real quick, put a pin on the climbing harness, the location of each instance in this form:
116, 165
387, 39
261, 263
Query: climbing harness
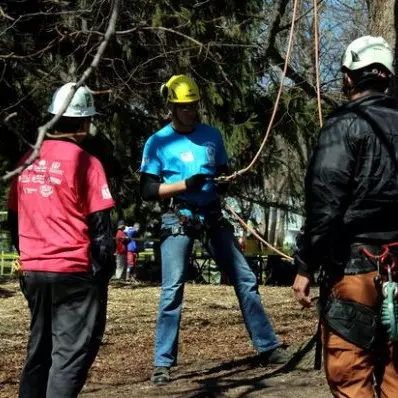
386, 264
185, 218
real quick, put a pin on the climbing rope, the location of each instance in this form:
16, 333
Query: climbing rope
317, 69
319, 105
268, 130
256, 234
278, 97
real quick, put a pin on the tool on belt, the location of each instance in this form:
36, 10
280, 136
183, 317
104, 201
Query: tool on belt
385, 262
193, 220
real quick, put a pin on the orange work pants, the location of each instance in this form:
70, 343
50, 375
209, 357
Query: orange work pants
351, 371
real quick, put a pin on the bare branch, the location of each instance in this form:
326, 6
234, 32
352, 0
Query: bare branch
285, 27
299, 80
10, 116
35, 54
36, 14
4, 15
176, 33
15, 131
42, 130
280, 9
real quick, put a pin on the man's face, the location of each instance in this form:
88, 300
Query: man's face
83, 131
187, 113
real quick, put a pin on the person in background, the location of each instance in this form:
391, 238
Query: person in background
121, 250
59, 218
132, 252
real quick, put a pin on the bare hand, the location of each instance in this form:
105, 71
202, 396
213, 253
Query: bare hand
301, 290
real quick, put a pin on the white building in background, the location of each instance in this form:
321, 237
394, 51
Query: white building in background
292, 223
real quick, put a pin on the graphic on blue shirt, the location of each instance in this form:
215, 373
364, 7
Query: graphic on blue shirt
176, 157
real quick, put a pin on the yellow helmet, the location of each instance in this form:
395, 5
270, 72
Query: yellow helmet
180, 89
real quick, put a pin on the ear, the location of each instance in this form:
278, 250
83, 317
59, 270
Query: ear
170, 108
347, 80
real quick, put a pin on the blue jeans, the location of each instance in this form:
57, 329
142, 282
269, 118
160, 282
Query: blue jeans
223, 247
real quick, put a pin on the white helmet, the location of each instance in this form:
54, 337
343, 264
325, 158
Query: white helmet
82, 104
368, 50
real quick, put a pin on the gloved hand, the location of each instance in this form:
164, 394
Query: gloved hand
196, 182
221, 186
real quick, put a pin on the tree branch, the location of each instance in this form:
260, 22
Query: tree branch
280, 9
299, 80
287, 26
42, 130
265, 203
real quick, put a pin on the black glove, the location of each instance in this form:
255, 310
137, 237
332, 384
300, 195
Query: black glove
196, 182
221, 186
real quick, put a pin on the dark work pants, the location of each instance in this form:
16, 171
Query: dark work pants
68, 314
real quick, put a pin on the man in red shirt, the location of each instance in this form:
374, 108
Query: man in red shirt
121, 250
59, 217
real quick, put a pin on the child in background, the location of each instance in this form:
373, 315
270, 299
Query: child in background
121, 250
132, 252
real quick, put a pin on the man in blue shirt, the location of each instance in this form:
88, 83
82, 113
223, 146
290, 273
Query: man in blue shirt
180, 162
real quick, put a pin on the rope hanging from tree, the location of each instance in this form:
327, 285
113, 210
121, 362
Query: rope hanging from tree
278, 97
317, 69
268, 130
256, 234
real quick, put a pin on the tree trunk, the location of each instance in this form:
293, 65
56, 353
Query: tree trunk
281, 232
381, 19
273, 217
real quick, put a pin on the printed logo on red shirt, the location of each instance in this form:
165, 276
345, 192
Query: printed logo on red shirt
106, 193
53, 197
46, 191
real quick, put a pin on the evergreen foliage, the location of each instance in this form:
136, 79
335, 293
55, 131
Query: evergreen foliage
43, 44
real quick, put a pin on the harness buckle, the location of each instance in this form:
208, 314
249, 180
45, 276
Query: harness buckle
176, 230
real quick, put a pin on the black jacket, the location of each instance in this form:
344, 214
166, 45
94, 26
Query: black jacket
351, 185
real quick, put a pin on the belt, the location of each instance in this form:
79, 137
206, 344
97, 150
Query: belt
359, 263
205, 211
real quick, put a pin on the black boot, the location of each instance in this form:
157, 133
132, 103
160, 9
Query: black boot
161, 375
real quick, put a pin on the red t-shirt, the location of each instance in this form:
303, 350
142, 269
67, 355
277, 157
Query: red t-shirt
53, 196
121, 246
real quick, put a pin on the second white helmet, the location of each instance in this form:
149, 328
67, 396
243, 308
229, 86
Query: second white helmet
366, 51
82, 104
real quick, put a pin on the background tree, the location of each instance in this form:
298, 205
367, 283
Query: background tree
381, 19
234, 49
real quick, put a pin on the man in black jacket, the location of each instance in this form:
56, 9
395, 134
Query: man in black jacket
59, 216
352, 226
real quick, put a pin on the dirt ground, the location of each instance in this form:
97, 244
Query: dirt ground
216, 358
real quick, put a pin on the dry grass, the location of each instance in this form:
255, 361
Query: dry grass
214, 354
